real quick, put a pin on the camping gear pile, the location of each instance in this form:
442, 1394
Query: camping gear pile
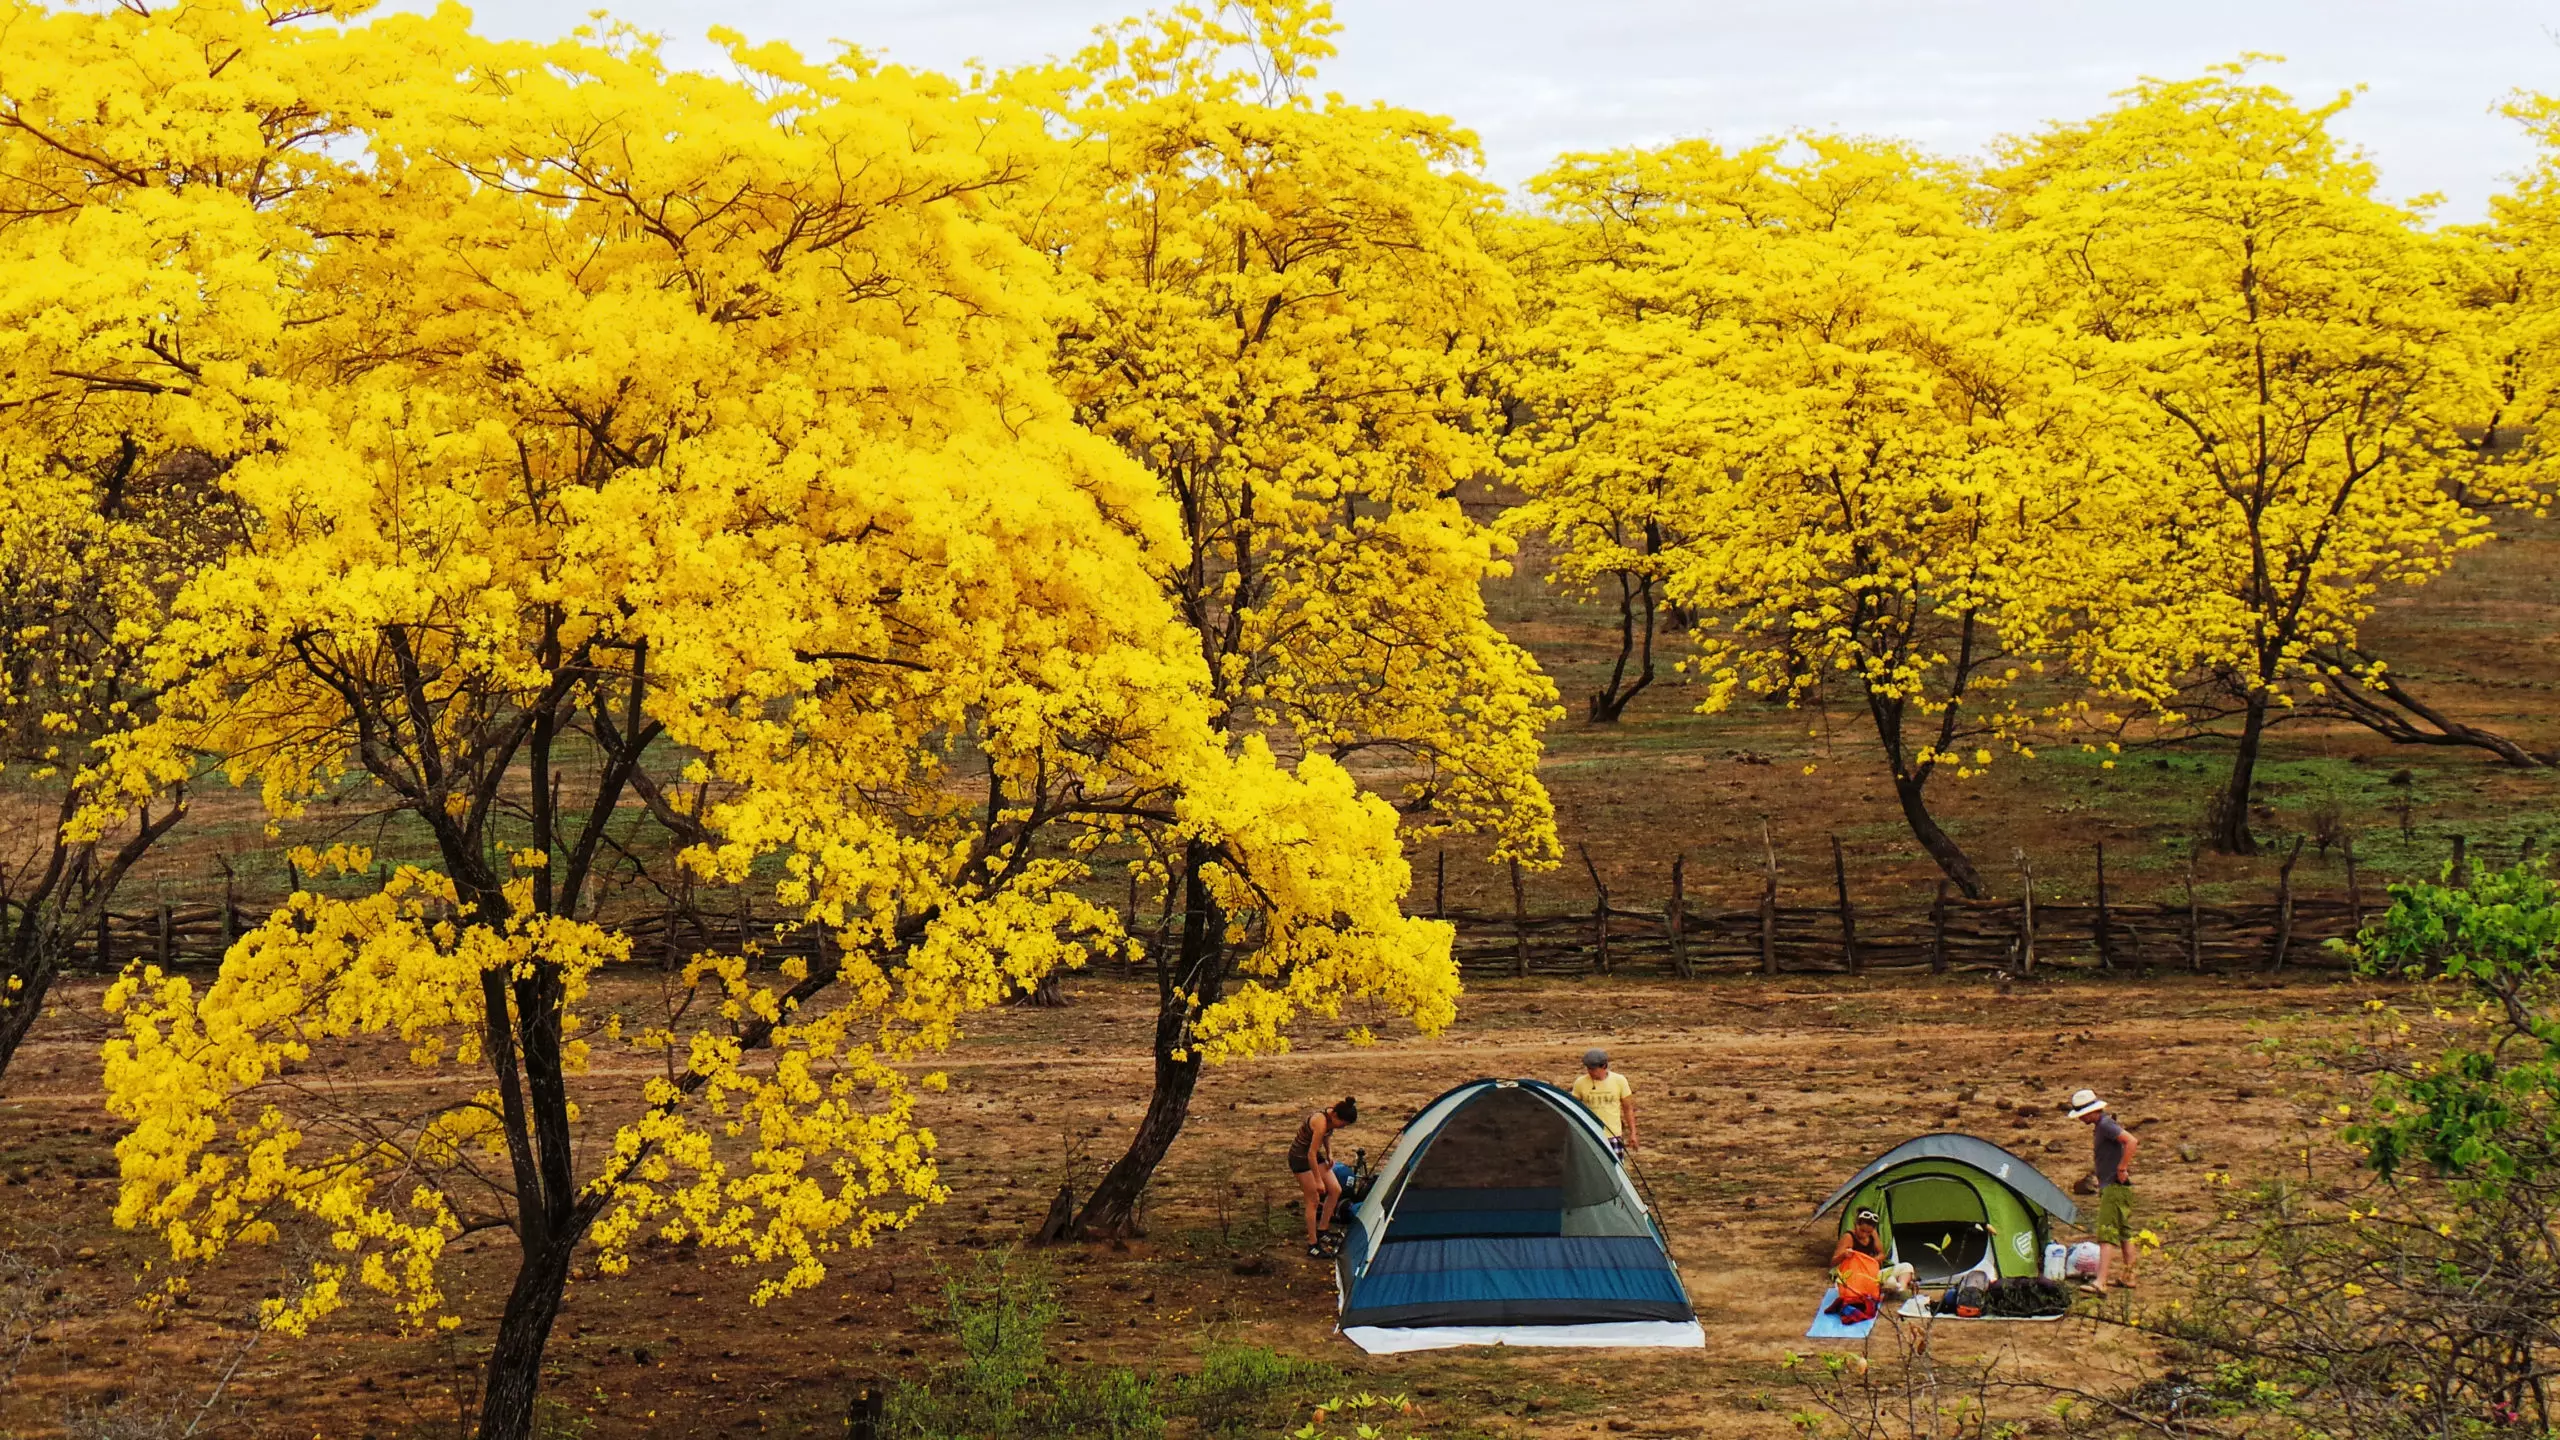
1355, 1179
1967, 1218
1501, 1216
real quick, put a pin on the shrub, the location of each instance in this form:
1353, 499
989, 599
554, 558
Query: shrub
2400, 1278
1243, 1387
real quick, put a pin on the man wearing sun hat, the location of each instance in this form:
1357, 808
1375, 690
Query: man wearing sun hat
2113, 1164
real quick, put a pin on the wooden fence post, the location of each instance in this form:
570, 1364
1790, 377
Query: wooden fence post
2284, 908
1679, 920
1519, 925
1768, 902
1440, 884
1938, 930
2355, 892
167, 937
2106, 951
1599, 912
1848, 911
2024, 960
2195, 917
230, 906
2461, 862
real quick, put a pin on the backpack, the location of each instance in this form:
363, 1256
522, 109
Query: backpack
2026, 1297
1966, 1301
1860, 1278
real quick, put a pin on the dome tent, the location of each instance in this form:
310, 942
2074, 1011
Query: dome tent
1501, 1217
1947, 1204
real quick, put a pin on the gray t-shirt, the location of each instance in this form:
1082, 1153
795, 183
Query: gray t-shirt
2110, 1143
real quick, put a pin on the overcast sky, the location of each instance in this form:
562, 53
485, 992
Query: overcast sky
1537, 77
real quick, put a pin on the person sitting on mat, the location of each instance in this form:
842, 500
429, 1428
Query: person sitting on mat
1857, 1269
1311, 1160
1861, 1237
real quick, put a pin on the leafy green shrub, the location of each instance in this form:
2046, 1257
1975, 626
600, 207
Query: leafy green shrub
1243, 1387
1113, 1404
2398, 1279
1005, 1387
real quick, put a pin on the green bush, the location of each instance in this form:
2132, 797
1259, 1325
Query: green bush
1004, 1386
1243, 1387
1114, 1404
2396, 1279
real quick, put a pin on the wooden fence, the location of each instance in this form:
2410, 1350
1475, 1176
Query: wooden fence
2012, 935
179, 935
1679, 937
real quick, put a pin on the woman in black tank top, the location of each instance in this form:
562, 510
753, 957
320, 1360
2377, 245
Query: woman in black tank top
1311, 1160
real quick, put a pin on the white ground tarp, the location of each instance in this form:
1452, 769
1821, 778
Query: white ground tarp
1626, 1334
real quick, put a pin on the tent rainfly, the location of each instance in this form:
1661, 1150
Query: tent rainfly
1501, 1217
1953, 1204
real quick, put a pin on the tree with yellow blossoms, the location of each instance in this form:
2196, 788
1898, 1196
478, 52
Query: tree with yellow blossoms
1597, 485
1283, 312
683, 447
1808, 367
2301, 371
154, 181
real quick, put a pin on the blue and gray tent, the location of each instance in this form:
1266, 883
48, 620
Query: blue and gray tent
1501, 1217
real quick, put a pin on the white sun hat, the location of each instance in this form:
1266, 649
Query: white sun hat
2085, 1103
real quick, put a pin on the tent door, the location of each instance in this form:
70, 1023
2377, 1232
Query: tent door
1939, 1226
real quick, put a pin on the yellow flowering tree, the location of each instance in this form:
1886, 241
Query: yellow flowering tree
154, 175
1807, 368
675, 447
1596, 476
1283, 312
2302, 371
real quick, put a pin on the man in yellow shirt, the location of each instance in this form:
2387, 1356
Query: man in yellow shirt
1607, 1095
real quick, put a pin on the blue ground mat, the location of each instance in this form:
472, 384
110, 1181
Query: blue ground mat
1827, 1326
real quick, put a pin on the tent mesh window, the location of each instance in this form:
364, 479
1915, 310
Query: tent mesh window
1510, 1163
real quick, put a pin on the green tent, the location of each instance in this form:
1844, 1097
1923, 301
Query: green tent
1949, 1203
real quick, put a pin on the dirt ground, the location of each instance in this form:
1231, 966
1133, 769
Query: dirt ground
1755, 1098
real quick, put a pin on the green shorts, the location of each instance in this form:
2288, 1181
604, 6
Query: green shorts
2115, 1214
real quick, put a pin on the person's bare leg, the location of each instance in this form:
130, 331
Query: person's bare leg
1312, 1192
2099, 1286
1332, 1198
2128, 1281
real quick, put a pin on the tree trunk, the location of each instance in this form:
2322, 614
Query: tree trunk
1636, 610
1942, 847
19, 1007
2231, 816
1910, 782
515, 1361
1113, 1207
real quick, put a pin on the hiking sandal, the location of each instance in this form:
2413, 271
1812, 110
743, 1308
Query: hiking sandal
1316, 1251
